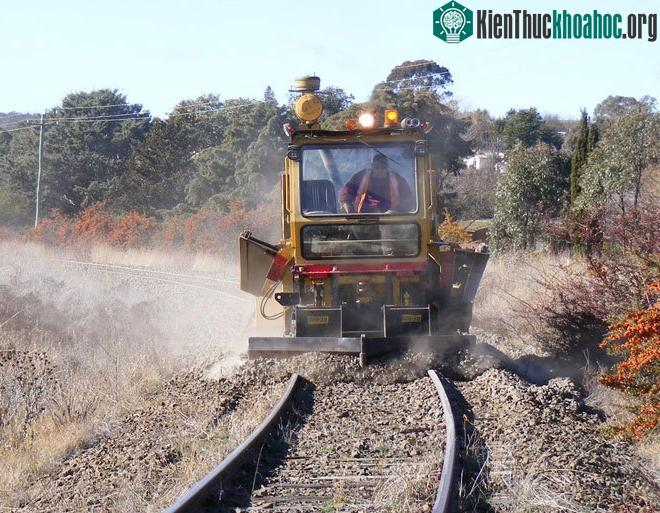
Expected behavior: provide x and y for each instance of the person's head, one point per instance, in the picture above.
(379, 163)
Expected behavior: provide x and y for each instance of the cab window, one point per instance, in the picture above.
(360, 179)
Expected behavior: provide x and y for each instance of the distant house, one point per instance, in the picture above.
(483, 161)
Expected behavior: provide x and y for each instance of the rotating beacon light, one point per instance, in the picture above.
(308, 107)
(391, 118)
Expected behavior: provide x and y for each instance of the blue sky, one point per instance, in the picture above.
(159, 52)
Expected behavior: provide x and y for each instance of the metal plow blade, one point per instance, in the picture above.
(364, 348)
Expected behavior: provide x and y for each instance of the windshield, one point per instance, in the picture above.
(358, 179)
(354, 241)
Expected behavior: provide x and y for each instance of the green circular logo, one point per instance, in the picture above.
(452, 22)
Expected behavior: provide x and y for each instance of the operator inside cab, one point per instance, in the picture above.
(377, 190)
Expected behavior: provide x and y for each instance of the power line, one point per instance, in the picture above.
(103, 116)
(414, 65)
(17, 129)
(126, 105)
(415, 78)
(125, 118)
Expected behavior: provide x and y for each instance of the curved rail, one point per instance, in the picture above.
(149, 275)
(212, 482)
(152, 271)
(443, 498)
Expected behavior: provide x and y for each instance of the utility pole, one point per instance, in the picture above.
(41, 139)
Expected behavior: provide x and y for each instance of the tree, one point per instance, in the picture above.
(162, 166)
(629, 149)
(580, 153)
(269, 95)
(85, 148)
(614, 107)
(335, 100)
(526, 126)
(422, 74)
(530, 190)
(259, 170)
(15, 209)
(213, 182)
(484, 132)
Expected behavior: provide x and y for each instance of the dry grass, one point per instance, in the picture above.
(156, 259)
(80, 350)
(410, 486)
(50, 410)
(511, 288)
(202, 452)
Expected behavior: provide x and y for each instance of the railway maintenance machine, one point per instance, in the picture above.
(360, 267)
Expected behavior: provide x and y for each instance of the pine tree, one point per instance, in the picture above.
(593, 137)
(269, 95)
(579, 157)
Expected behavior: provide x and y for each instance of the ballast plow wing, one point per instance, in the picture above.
(362, 347)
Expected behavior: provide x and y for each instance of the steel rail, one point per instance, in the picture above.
(212, 483)
(152, 271)
(146, 274)
(448, 475)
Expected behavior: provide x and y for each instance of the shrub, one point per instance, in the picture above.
(636, 338)
(15, 209)
(618, 275)
(94, 224)
(451, 231)
(132, 231)
(531, 189)
(56, 229)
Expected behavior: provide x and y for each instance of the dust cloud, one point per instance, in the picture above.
(106, 310)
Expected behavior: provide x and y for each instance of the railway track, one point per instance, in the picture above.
(223, 286)
(340, 447)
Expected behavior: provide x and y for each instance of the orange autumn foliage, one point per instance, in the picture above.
(94, 223)
(636, 337)
(55, 229)
(452, 232)
(132, 231)
(206, 230)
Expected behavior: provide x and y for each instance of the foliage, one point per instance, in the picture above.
(15, 209)
(422, 74)
(585, 142)
(80, 160)
(636, 337)
(54, 229)
(452, 232)
(614, 107)
(484, 132)
(531, 189)
(132, 231)
(526, 127)
(207, 230)
(603, 284)
(93, 224)
(473, 193)
(629, 148)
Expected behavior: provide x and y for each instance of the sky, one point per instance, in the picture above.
(160, 52)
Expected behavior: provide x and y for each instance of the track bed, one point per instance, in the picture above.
(350, 446)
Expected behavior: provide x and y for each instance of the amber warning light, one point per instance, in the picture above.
(391, 118)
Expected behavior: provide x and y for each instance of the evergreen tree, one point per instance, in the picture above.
(269, 95)
(593, 137)
(579, 157)
(530, 190)
(526, 126)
